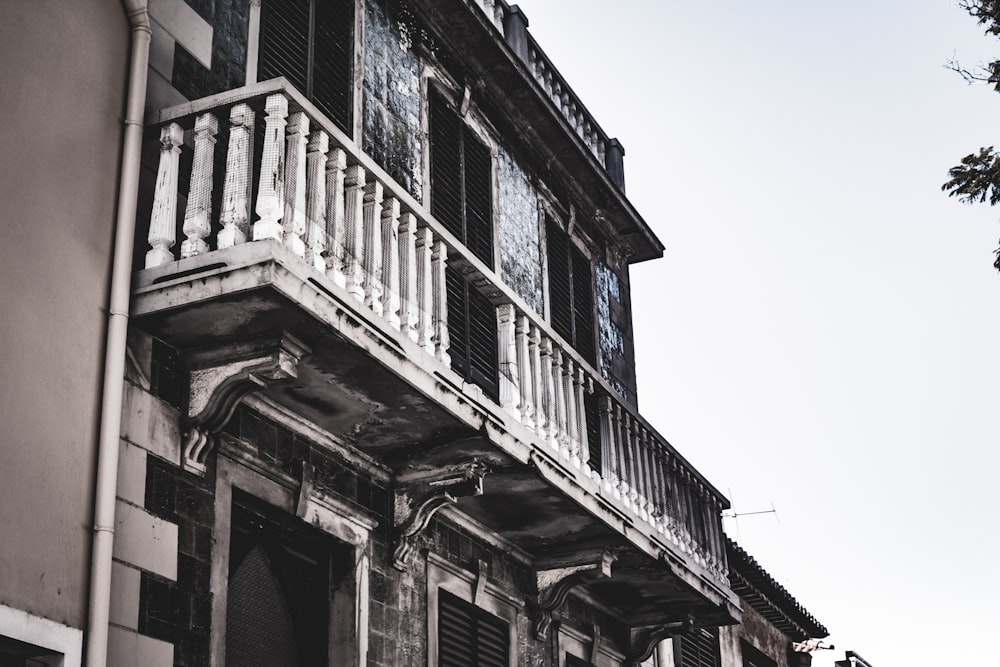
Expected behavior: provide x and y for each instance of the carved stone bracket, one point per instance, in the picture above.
(643, 639)
(555, 578)
(420, 495)
(221, 378)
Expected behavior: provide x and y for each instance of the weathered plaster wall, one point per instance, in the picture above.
(520, 247)
(757, 631)
(610, 339)
(391, 96)
(63, 76)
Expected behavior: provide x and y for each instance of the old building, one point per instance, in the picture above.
(378, 400)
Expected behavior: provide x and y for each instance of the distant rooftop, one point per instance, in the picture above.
(769, 598)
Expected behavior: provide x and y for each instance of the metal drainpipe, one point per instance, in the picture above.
(114, 349)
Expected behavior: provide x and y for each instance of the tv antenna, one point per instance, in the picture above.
(735, 516)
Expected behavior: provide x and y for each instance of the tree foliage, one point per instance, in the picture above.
(977, 178)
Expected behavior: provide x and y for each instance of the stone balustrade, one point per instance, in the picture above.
(305, 185)
(550, 389)
(316, 197)
(500, 14)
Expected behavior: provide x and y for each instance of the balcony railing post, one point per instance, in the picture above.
(316, 199)
(336, 164)
(198, 214)
(390, 261)
(439, 292)
(551, 431)
(562, 437)
(409, 314)
(580, 382)
(572, 422)
(609, 455)
(271, 186)
(293, 222)
(622, 454)
(163, 222)
(236, 195)
(354, 187)
(510, 390)
(371, 252)
(526, 380)
(423, 251)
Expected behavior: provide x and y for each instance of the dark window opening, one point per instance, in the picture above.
(167, 378)
(310, 43)
(469, 636)
(278, 595)
(753, 657)
(698, 648)
(573, 661)
(461, 176)
(571, 291)
(472, 331)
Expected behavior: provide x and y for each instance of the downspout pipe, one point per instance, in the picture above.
(114, 349)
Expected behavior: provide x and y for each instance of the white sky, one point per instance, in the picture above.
(821, 334)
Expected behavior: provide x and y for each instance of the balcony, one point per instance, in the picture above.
(306, 274)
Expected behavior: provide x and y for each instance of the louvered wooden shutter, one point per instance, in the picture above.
(469, 636)
(571, 291)
(461, 180)
(478, 197)
(472, 329)
(310, 43)
(699, 648)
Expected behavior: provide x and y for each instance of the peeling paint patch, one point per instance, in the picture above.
(611, 341)
(391, 97)
(520, 246)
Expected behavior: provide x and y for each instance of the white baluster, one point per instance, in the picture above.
(390, 261)
(579, 384)
(293, 223)
(198, 213)
(336, 163)
(525, 380)
(163, 221)
(236, 188)
(509, 380)
(609, 446)
(409, 314)
(562, 435)
(316, 200)
(572, 423)
(549, 389)
(354, 186)
(271, 186)
(537, 380)
(439, 257)
(372, 251)
(425, 287)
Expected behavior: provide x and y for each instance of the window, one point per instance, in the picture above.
(461, 176)
(754, 658)
(279, 590)
(472, 331)
(310, 43)
(573, 661)
(470, 636)
(571, 291)
(699, 648)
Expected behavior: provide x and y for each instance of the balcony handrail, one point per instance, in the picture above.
(554, 85)
(641, 454)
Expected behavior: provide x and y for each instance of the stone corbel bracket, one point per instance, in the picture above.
(420, 495)
(221, 378)
(643, 639)
(555, 578)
